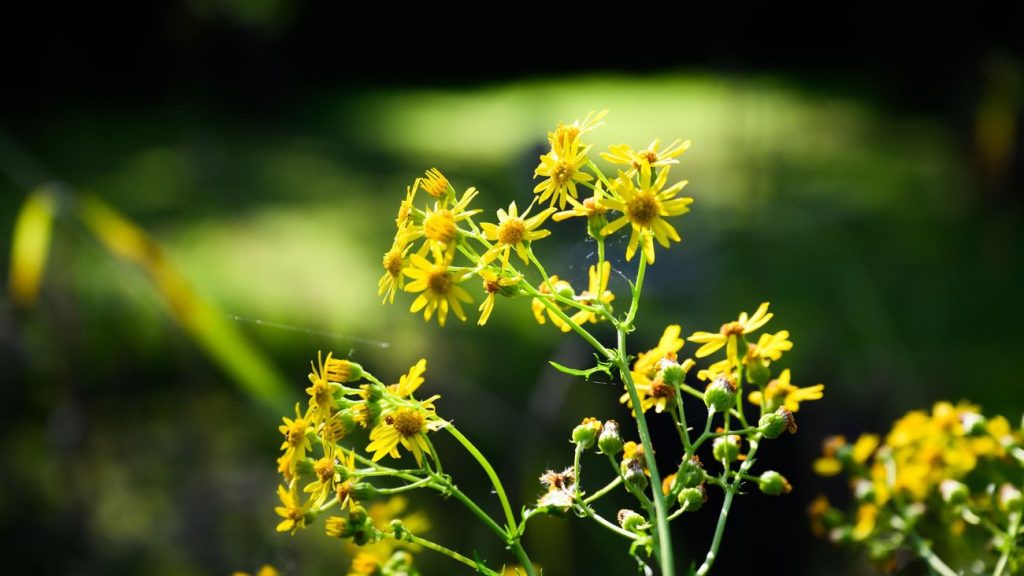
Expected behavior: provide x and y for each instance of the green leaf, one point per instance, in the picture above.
(604, 367)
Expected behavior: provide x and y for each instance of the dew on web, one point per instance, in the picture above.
(312, 332)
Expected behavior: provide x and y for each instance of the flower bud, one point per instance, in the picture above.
(362, 536)
(363, 491)
(691, 499)
(953, 492)
(973, 423)
(691, 473)
(398, 530)
(726, 448)
(773, 424)
(586, 433)
(720, 395)
(864, 490)
(357, 517)
(610, 442)
(757, 372)
(772, 483)
(1010, 499)
(338, 527)
(596, 221)
(632, 521)
(672, 373)
(564, 289)
(340, 370)
(636, 480)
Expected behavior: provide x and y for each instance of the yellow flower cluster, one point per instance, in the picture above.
(430, 238)
(949, 465)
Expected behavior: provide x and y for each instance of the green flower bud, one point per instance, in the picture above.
(720, 395)
(672, 373)
(691, 473)
(1010, 499)
(632, 521)
(586, 433)
(363, 491)
(691, 499)
(304, 467)
(757, 372)
(357, 517)
(636, 480)
(398, 531)
(864, 490)
(726, 448)
(973, 423)
(773, 424)
(596, 222)
(772, 483)
(953, 492)
(362, 536)
(564, 289)
(610, 442)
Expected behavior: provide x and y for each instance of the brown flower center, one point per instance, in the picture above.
(661, 390)
(733, 328)
(563, 172)
(296, 432)
(511, 231)
(643, 208)
(324, 469)
(439, 281)
(393, 262)
(406, 422)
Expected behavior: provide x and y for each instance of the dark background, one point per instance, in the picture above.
(866, 184)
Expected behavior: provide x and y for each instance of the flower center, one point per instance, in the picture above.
(321, 393)
(511, 231)
(406, 422)
(393, 262)
(563, 172)
(733, 328)
(661, 390)
(643, 208)
(650, 155)
(440, 226)
(439, 281)
(324, 469)
(296, 432)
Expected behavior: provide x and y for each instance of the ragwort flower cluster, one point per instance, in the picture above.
(941, 488)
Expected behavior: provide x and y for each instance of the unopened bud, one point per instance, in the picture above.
(691, 499)
(973, 422)
(953, 492)
(1010, 499)
(632, 521)
(586, 433)
(757, 372)
(720, 395)
(610, 442)
(773, 424)
(726, 448)
(691, 473)
(636, 480)
(772, 483)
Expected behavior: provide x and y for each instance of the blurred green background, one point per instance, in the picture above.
(873, 197)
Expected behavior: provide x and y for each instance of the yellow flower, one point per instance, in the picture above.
(553, 285)
(321, 394)
(265, 570)
(296, 443)
(817, 510)
(830, 464)
(434, 183)
(645, 207)
(722, 368)
(770, 346)
(513, 231)
(596, 293)
(588, 208)
(493, 283)
(562, 168)
(326, 475)
(405, 426)
(780, 392)
(293, 513)
(439, 290)
(729, 331)
(623, 154)
(646, 364)
(654, 393)
(441, 225)
(404, 209)
(365, 564)
(393, 280)
(867, 514)
(565, 133)
(411, 381)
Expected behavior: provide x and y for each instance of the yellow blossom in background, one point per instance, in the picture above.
(669, 344)
(441, 225)
(405, 208)
(723, 368)
(587, 208)
(728, 333)
(513, 232)
(867, 514)
(596, 293)
(565, 133)
(624, 154)
(769, 347)
(780, 392)
(439, 288)
(644, 206)
(553, 285)
(294, 514)
(392, 280)
(265, 570)
(562, 169)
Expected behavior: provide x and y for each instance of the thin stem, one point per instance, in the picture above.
(932, 559)
(406, 488)
(447, 552)
(608, 488)
(556, 296)
(635, 304)
(1009, 543)
(491, 474)
(730, 493)
(569, 321)
(445, 487)
(609, 525)
(600, 174)
(661, 535)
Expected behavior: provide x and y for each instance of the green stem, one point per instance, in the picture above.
(445, 487)
(730, 493)
(609, 525)
(449, 553)
(399, 489)
(608, 488)
(568, 321)
(556, 296)
(1009, 544)
(662, 537)
(932, 559)
(635, 304)
(491, 474)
